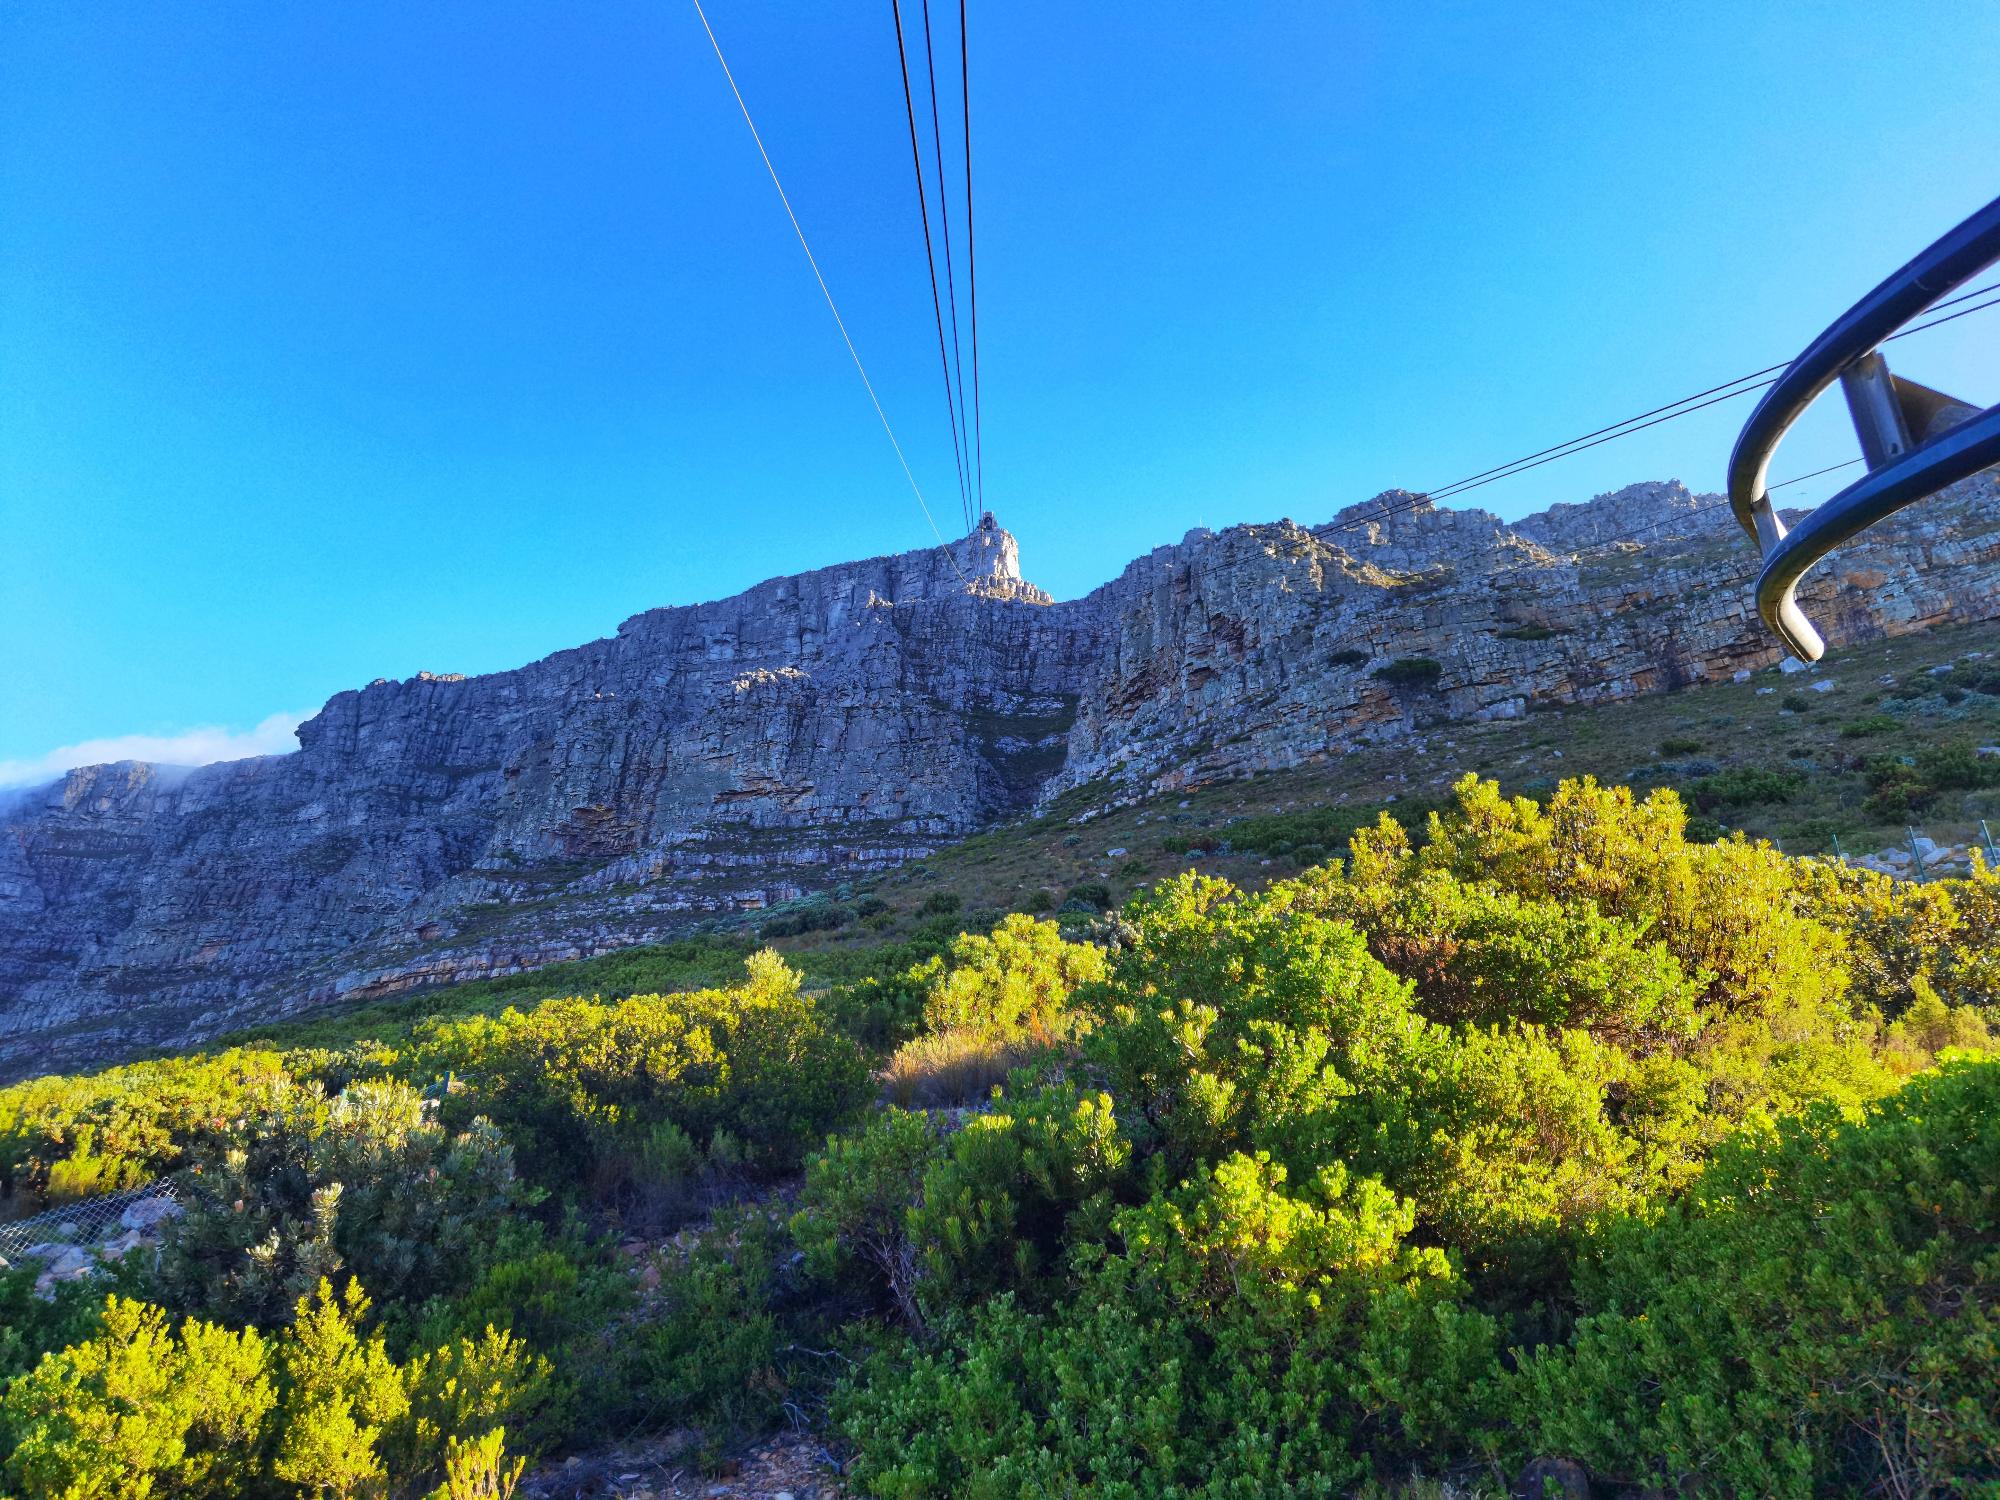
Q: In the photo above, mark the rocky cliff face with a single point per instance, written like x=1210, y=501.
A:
x=726, y=756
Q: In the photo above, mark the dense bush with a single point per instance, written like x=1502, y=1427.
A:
x=142, y=1407
x=656, y=1088
x=1902, y=786
x=366, y=1182
x=1537, y=1129
x=1821, y=1314
x=1090, y=895
x=822, y=918
x=1354, y=1136
x=1745, y=786
x=69, y=1137
x=1013, y=984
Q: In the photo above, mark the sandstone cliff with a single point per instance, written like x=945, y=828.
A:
x=721, y=757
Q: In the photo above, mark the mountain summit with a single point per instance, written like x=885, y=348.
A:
x=714, y=758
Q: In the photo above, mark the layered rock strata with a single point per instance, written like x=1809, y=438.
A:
x=723, y=757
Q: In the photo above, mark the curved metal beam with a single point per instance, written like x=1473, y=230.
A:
x=1950, y=261
x=1945, y=265
x=1951, y=456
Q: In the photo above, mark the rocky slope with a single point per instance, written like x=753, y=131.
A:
x=721, y=757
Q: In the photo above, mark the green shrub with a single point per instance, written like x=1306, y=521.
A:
x=1411, y=672
x=1013, y=984
x=1820, y=1317
x=812, y=919
x=1349, y=657
x=1680, y=744
x=141, y=1408
x=31, y=1325
x=1746, y=786
x=367, y=1181
x=1239, y=1343
x=752, y=1076
x=69, y=1137
x=939, y=904
x=1089, y=896
x=705, y=1353
x=855, y=1206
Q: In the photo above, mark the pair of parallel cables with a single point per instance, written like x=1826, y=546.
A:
x=968, y=447
x=968, y=450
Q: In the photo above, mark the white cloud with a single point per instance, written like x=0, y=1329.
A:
x=191, y=747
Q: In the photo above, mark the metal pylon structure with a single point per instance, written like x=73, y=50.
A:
x=1915, y=440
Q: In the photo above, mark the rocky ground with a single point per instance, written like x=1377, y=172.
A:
x=72, y=1243
x=795, y=1466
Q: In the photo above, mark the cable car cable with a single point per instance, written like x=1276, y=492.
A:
x=840, y=323
x=944, y=218
x=1574, y=443
x=1636, y=424
x=930, y=264
x=973, y=265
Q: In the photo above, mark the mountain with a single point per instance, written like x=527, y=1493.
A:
x=717, y=758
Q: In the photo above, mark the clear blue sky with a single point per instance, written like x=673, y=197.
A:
x=343, y=341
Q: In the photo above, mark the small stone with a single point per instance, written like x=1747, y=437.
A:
x=1792, y=664
x=1114, y=853
x=122, y=1246
x=1824, y=685
x=1765, y=692
x=1741, y=674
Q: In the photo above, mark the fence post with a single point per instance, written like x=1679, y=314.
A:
x=1916, y=854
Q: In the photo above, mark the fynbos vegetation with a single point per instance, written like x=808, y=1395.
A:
x=1526, y=1130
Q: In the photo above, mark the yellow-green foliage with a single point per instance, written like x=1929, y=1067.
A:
x=141, y=1408
x=1357, y=1133
x=751, y=1075
x=1014, y=984
x=1557, y=1134
x=1820, y=1314
x=988, y=1003
x=72, y=1136
x=321, y=1409
x=479, y=1469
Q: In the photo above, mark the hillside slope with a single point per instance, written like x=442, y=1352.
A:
x=721, y=758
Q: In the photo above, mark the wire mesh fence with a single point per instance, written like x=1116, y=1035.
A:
x=87, y=1221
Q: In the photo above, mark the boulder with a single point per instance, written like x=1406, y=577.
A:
x=149, y=1213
